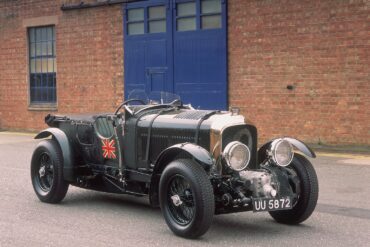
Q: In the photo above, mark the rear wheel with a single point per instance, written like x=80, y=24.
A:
x=186, y=198
x=309, y=192
x=47, y=172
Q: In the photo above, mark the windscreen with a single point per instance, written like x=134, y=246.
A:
x=155, y=97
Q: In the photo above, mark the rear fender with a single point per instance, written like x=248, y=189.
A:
x=201, y=155
x=301, y=146
x=63, y=142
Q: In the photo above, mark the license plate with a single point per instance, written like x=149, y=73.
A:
x=271, y=204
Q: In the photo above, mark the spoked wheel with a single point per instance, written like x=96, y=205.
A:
x=47, y=172
x=180, y=200
x=186, y=198
x=308, y=193
x=45, y=175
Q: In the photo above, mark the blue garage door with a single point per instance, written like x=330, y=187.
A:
x=178, y=46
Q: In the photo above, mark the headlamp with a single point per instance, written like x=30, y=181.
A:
x=237, y=155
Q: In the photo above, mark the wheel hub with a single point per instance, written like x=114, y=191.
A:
x=176, y=200
x=42, y=171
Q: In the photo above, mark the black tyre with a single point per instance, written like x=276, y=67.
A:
x=186, y=198
x=309, y=193
x=47, y=172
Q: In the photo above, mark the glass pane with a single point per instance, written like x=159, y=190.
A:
x=51, y=65
x=44, y=80
x=50, y=48
x=55, y=65
x=32, y=94
x=32, y=35
x=50, y=79
x=37, y=78
x=38, y=49
x=185, y=9
x=157, y=26
x=32, y=49
x=50, y=33
x=135, y=28
x=44, y=35
x=44, y=49
x=136, y=14
x=43, y=96
x=35, y=95
x=32, y=81
x=38, y=66
x=38, y=35
x=54, y=93
x=44, y=65
x=211, y=22
x=211, y=6
x=32, y=66
x=50, y=94
x=157, y=12
x=186, y=24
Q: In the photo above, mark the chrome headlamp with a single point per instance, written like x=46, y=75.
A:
x=237, y=155
x=281, y=152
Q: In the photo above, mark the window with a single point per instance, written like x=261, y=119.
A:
x=140, y=22
x=208, y=17
x=157, y=19
x=211, y=14
x=186, y=16
x=135, y=21
x=42, y=65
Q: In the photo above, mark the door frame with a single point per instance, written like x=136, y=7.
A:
x=170, y=24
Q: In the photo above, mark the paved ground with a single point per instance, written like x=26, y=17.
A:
x=87, y=218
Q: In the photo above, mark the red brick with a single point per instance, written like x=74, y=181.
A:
x=320, y=47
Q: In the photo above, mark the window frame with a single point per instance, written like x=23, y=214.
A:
x=201, y=14
x=198, y=16
x=37, y=104
x=128, y=22
x=177, y=17
x=156, y=19
x=146, y=20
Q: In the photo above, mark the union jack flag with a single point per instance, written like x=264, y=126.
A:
x=109, y=149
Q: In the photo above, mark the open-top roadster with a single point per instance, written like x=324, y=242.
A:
x=191, y=163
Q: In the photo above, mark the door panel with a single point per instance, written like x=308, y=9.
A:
x=148, y=54
x=135, y=67
x=200, y=54
x=156, y=78
x=189, y=58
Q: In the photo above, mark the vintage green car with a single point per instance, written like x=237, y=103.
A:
x=192, y=163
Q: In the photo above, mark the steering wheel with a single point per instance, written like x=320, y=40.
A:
x=124, y=103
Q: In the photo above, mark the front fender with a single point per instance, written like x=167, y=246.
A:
x=201, y=155
x=301, y=146
x=63, y=142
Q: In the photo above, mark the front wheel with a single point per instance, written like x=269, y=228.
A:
x=186, y=198
x=309, y=192
x=47, y=172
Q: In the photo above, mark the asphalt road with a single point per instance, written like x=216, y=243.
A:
x=87, y=218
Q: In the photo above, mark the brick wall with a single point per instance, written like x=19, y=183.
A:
x=321, y=48
x=89, y=50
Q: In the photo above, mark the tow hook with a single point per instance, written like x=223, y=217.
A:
x=244, y=201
